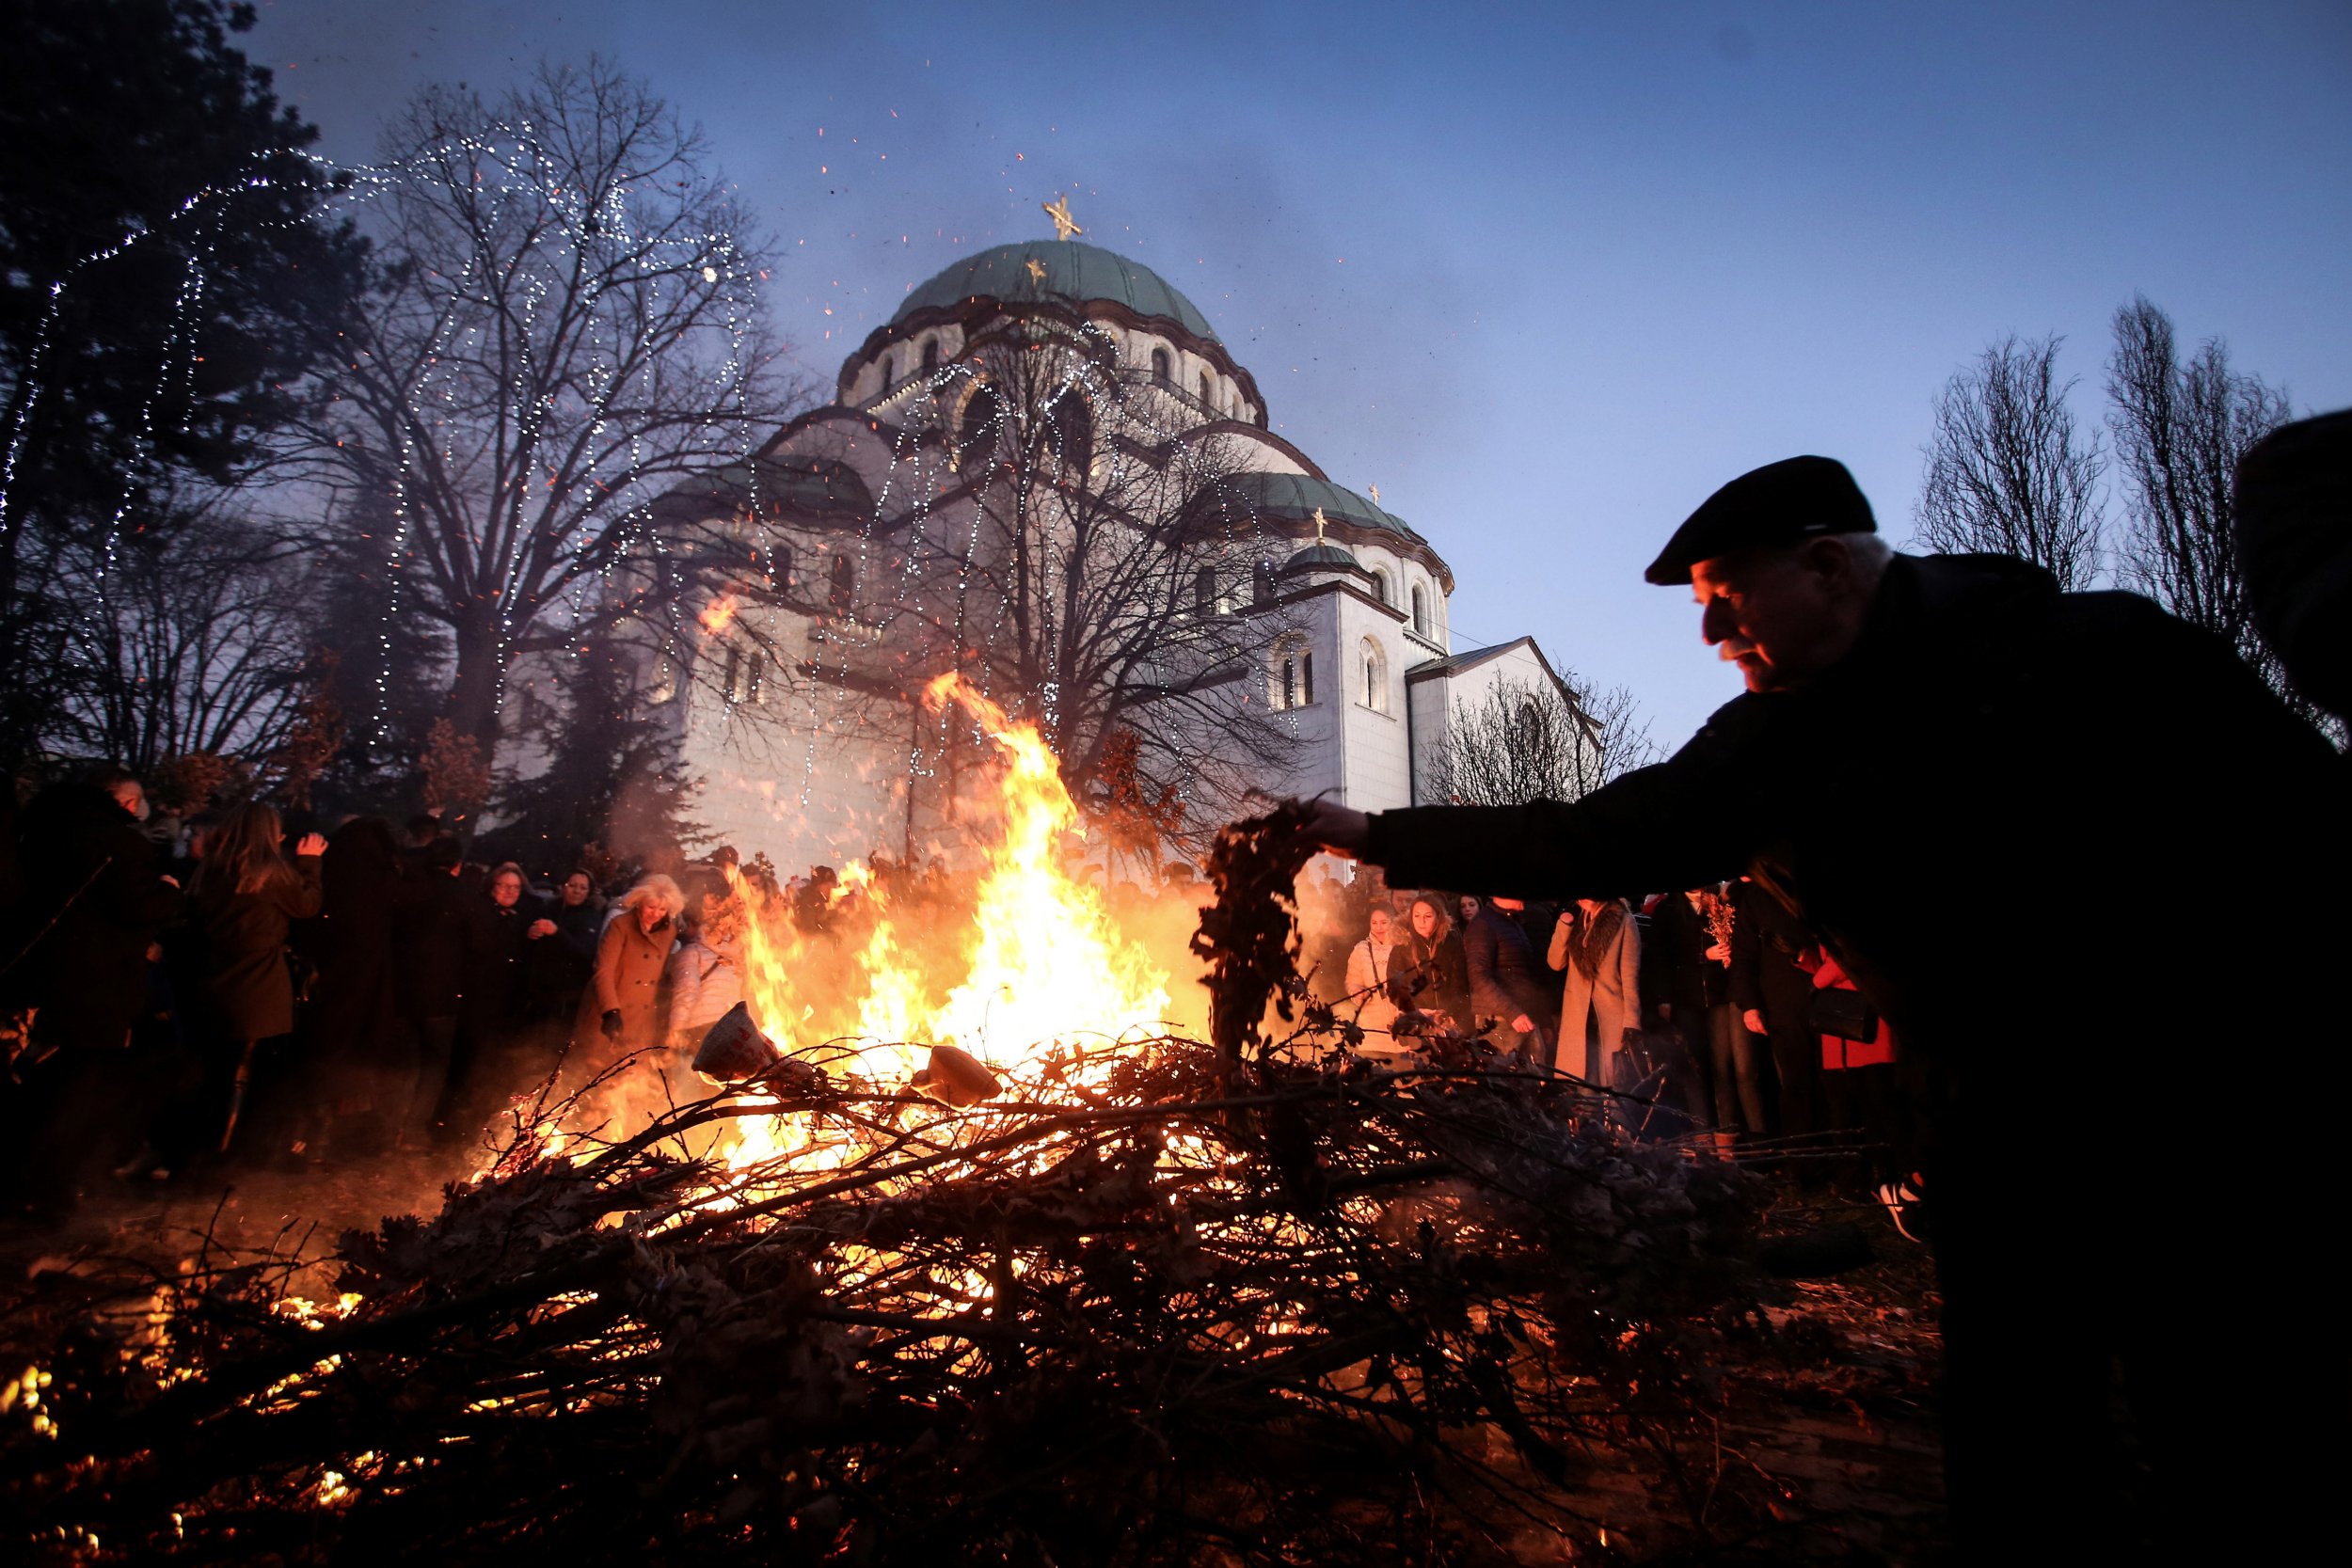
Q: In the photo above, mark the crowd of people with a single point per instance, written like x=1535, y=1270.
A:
x=180, y=995
x=1703, y=1009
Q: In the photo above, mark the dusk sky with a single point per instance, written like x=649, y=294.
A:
x=1546, y=275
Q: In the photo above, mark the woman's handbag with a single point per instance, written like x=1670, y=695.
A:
x=1847, y=1014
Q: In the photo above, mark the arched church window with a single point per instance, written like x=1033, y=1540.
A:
x=1160, y=367
x=1291, y=681
x=975, y=432
x=1204, y=591
x=844, y=591
x=1262, y=583
x=930, y=355
x=887, y=374
x=1375, y=665
x=1421, y=611
x=1208, y=390
x=1381, y=585
x=780, y=566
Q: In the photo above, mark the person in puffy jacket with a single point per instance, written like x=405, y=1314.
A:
x=705, y=980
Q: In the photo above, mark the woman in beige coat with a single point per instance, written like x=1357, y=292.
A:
x=620, y=1011
x=1600, y=948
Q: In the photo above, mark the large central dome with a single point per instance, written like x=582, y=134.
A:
x=1072, y=272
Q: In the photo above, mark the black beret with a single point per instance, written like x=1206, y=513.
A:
x=1776, y=504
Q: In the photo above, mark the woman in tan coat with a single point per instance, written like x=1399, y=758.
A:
x=620, y=1011
x=1600, y=948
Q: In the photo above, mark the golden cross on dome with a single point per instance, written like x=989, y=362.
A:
x=1376, y=493
x=1319, y=525
x=1037, y=270
x=1059, y=210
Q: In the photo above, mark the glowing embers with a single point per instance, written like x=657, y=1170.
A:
x=718, y=614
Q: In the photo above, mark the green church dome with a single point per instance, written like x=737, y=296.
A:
x=1072, y=272
x=1296, y=497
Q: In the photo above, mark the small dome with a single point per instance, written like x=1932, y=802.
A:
x=1321, y=557
x=1072, y=272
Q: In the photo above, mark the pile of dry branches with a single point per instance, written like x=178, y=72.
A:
x=1158, y=1307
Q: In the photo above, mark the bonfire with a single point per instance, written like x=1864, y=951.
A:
x=1010, y=1271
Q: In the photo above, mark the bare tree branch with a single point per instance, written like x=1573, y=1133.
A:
x=570, y=325
x=2007, y=471
x=2180, y=429
x=1533, y=740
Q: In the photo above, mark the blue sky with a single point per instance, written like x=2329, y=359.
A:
x=1546, y=274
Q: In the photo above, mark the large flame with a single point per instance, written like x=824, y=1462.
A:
x=1041, y=965
x=1050, y=966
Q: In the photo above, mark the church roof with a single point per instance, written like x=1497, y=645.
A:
x=1296, y=497
x=1072, y=272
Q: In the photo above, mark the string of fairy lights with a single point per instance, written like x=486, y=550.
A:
x=512, y=167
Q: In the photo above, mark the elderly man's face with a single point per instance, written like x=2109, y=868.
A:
x=131, y=797
x=506, y=891
x=1776, y=613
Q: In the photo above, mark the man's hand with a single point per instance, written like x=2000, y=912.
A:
x=1342, y=829
x=611, y=1023
x=311, y=844
x=540, y=928
x=1754, y=1018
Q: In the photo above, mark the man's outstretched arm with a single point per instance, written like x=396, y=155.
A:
x=1690, y=820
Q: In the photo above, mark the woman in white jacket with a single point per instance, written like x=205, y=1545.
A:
x=1369, y=1002
x=704, y=980
x=1599, y=947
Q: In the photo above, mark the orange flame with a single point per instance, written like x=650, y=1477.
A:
x=718, y=614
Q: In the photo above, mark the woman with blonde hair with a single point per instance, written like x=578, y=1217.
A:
x=247, y=894
x=619, y=1012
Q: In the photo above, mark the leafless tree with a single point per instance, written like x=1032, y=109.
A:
x=1538, y=740
x=1088, y=570
x=568, y=326
x=2179, y=428
x=197, y=642
x=2008, y=472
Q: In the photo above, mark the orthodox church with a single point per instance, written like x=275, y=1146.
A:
x=1264, y=626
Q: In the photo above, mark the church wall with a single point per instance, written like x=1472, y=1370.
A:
x=1375, y=755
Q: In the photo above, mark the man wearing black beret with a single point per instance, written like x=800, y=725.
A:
x=2037, y=827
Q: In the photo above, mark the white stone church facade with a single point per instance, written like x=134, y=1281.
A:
x=776, y=717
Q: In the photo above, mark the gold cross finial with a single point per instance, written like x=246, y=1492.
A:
x=1059, y=210
x=1376, y=494
x=1037, y=270
x=1319, y=525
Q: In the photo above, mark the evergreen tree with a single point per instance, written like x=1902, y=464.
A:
x=612, y=778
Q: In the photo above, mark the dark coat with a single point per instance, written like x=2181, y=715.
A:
x=355, y=1005
x=1765, y=942
x=86, y=864
x=248, y=991
x=1505, y=977
x=430, y=945
x=1436, y=975
x=493, y=1000
x=1990, y=740
x=1690, y=981
x=557, y=967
